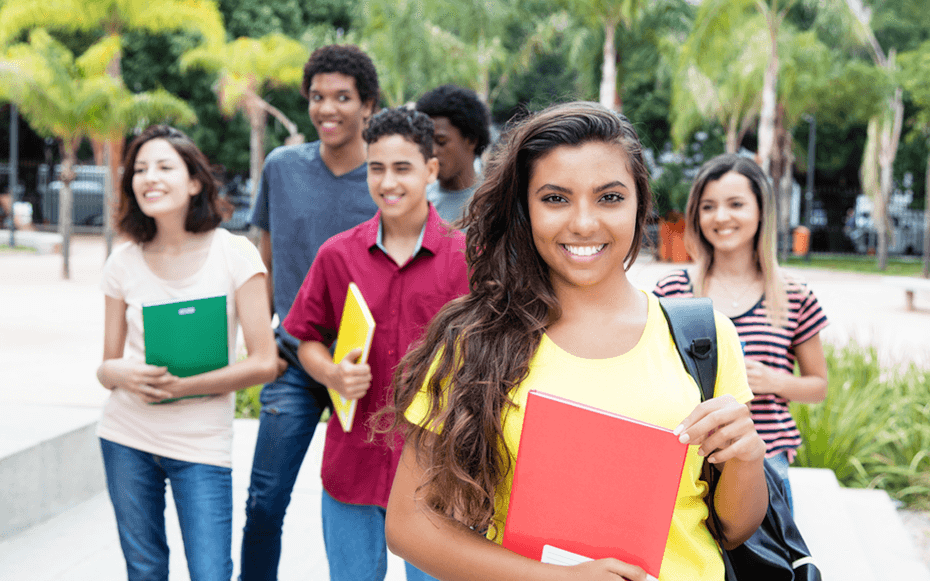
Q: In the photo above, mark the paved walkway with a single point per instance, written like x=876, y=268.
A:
x=51, y=335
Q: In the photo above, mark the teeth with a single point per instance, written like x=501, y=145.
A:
x=329, y=124
x=584, y=250
x=725, y=232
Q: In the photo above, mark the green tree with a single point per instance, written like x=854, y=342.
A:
x=915, y=69
x=70, y=99
x=607, y=16
x=247, y=68
x=112, y=18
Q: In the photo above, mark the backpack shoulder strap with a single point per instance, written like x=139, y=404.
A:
x=691, y=322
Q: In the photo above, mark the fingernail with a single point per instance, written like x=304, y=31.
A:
x=712, y=459
x=678, y=430
x=684, y=438
x=700, y=452
x=651, y=578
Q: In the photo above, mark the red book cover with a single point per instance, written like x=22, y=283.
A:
x=590, y=484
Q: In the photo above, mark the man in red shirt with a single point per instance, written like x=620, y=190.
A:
x=408, y=264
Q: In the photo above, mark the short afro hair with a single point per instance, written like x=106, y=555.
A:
x=464, y=110
x=348, y=60
x=416, y=127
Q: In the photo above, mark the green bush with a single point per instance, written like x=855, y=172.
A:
x=247, y=402
x=873, y=428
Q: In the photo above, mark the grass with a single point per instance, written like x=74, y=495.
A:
x=873, y=428
x=249, y=406
x=858, y=263
x=7, y=249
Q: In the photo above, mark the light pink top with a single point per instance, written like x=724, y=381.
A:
x=193, y=430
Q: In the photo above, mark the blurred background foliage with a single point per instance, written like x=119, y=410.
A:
x=525, y=54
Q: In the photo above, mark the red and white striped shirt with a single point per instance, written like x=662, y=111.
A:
x=772, y=346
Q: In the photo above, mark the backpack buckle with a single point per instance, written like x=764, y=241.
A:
x=701, y=347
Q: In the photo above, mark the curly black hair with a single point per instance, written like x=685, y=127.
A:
x=348, y=60
x=416, y=127
x=464, y=110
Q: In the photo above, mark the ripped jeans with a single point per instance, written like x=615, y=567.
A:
x=291, y=408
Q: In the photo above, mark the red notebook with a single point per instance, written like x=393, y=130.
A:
x=590, y=484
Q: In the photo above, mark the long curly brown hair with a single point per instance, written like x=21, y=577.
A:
x=478, y=347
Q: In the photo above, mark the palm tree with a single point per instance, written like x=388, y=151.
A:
x=66, y=98
x=608, y=15
x=112, y=18
x=247, y=68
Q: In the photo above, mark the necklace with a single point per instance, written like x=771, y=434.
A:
x=736, y=299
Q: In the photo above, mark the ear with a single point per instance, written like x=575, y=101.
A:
x=432, y=165
x=368, y=109
x=473, y=144
x=194, y=187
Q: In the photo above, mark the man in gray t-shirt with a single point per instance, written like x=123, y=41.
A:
x=308, y=193
x=462, y=132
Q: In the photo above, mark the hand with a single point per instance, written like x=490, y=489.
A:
x=723, y=428
x=605, y=570
x=762, y=378
x=351, y=380
x=150, y=382
x=282, y=367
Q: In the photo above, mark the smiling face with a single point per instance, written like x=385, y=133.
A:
x=456, y=154
x=583, y=220
x=397, y=178
x=336, y=110
x=728, y=213
x=161, y=182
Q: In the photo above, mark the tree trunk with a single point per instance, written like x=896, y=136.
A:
x=608, y=92
x=769, y=99
x=927, y=221
x=109, y=192
x=257, y=120
x=889, y=135
x=65, y=202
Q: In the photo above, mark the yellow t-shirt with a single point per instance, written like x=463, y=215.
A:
x=648, y=383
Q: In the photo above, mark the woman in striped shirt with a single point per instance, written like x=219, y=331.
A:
x=731, y=232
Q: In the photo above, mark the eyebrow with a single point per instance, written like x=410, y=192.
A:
x=560, y=189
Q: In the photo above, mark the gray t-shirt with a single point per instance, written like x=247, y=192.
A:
x=450, y=205
x=302, y=204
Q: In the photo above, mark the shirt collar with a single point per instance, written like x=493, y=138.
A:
x=429, y=234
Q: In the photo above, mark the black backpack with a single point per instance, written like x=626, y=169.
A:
x=776, y=551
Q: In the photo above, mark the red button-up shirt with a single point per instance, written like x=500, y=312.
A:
x=403, y=299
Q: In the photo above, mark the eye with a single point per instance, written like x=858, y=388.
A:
x=343, y=98
x=706, y=207
x=553, y=199
x=316, y=98
x=613, y=197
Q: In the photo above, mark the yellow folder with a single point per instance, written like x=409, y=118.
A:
x=355, y=331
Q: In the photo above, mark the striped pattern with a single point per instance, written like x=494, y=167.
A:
x=772, y=346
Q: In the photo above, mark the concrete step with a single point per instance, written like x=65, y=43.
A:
x=853, y=534
x=882, y=535
x=81, y=544
x=49, y=462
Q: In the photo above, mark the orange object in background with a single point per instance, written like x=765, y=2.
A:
x=801, y=241
x=672, y=239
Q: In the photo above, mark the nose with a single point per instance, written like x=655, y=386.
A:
x=584, y=219
x=721, y=213
x=326, y=105
x=389, y=180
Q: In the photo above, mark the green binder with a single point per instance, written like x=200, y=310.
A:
x=187, y=336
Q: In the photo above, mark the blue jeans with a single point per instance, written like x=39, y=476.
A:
x=780, y=463
x=203, y=497
x=355, y=544
x=290, y=414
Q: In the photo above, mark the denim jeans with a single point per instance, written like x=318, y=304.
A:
x=203, y=497
x=355, y=544
x=780, y=463
x=290, y=414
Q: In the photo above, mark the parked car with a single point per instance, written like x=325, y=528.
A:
x=87, y=192
x=907, y=227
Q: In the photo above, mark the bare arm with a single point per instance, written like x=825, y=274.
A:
x=115, y=372
x=259, y=366
x=726, y=434
x=350, y=379
x=451, y=551
x=264, y=250
x=809, y=387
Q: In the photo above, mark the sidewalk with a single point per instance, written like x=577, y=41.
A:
x=51, y=334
